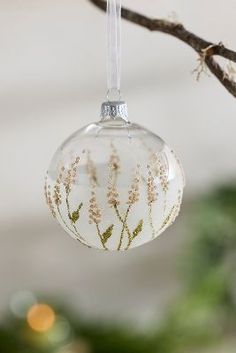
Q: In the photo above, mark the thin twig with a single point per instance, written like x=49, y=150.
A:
x=205, y=49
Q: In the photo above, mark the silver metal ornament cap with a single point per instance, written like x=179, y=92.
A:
x=114, y=110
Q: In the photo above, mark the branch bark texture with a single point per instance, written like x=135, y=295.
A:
x=206, y=50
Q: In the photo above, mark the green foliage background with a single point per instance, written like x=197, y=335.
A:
x=204, y=315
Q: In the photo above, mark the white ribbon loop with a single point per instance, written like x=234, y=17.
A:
x=113, y=47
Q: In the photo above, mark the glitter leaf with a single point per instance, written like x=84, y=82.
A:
x=107, y=234
x=74, y=216
x=138, y=229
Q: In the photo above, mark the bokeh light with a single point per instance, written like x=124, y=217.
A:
x=41, y=317
x=60, y=332
x=79, y=346
x=21, y=302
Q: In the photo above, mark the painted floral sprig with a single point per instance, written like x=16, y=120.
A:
x=66, y=179
x=151, y=197
x=95, y=214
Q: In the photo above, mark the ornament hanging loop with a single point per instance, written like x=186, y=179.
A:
x=114, y=108
x=113, y=49
x=114, y=95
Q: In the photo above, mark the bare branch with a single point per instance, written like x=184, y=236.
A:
x=205, y=49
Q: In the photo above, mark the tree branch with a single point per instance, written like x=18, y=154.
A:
x=205, y=49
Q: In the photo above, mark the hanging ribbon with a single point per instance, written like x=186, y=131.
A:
x=113, y=48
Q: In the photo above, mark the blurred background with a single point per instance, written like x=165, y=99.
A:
x=176, y=294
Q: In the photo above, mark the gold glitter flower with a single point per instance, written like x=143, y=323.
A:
x=114, y=162
x=94, y=211
x=134, y=190
x=48, y=197
x=160, y=169
x=71, y=175
x=114, y=168
x=112, y=196
x=151, y=187
x=57, y=189
x=91, y=169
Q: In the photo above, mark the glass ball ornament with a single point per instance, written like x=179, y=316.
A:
x=114, y=185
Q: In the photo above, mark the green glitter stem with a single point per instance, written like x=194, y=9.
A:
x=122, y=221
x=100, y=236
x=125, y=227
x=80, y=238
x=151, y=221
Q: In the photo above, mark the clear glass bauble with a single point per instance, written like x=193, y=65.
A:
x=114, y=185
